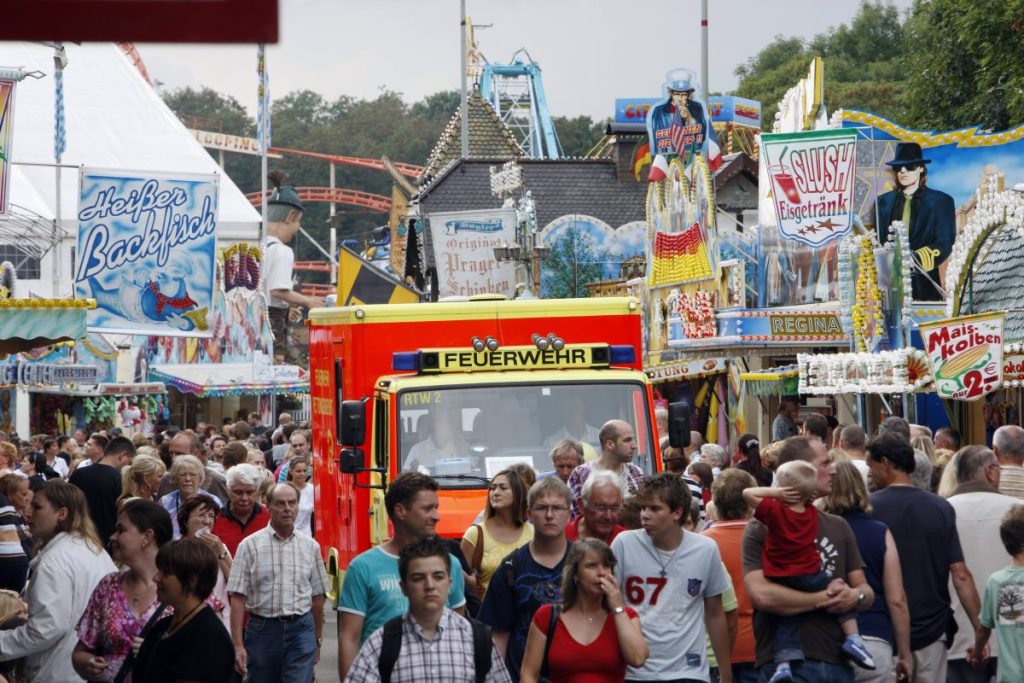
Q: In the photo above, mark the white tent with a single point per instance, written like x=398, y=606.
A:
x=114, y=119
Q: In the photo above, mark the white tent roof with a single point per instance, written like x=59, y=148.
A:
x=114, y=119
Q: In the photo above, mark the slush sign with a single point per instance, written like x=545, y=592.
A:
x=812, y=179
x=633, y=109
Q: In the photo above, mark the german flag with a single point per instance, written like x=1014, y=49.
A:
x=641, y=158
x=362, y=283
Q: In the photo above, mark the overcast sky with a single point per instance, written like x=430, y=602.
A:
x=591, y=51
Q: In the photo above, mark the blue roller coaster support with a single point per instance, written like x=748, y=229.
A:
x=517, y=86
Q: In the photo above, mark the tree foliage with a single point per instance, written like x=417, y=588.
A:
x=967, y=63
x=865, y=65
x=578, y=134
x=948, y=64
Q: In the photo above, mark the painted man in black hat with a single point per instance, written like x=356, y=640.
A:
x=284, y=216
x=930, y=217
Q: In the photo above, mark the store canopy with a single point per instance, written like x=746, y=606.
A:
x=30, y=323
x=780, y=381
x=114, y=119
x=208, y=380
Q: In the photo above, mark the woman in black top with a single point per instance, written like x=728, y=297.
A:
x=750, y=449
x=192, y=645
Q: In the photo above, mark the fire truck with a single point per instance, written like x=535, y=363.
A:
x=460, y=391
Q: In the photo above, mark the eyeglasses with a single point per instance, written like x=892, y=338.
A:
x=907, y=167
x=603, y=509
x=550, y=509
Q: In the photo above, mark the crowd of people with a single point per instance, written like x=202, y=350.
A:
x=822, y=556
x=187, y=556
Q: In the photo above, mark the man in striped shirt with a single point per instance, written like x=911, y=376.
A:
x=435, y=644
x=13, y=561
x=279, y=578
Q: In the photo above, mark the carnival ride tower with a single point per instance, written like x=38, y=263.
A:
x=516, y=91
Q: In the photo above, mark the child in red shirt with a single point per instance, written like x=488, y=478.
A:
x=791, y=558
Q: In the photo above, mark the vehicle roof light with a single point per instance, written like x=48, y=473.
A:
x=622, y=353
x=409, y=360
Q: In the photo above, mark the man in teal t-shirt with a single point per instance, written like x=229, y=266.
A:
x=371, y=593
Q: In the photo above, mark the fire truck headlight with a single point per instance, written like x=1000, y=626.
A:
x=539, y=341
x=557, y=343
x=491, y=343
x=478, y=344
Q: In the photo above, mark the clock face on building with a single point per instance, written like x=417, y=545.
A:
x=156, y=21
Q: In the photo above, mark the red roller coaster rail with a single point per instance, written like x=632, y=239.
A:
x=376, y=203
x=405, y=169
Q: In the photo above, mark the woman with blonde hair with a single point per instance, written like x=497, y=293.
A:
x=70, y=563
x=503, y=529
x=141, y=479
x=8, y=457
x=592, y=612
x=924, y=444
x=886, y=623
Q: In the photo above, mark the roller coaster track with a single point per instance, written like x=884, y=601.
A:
x=376, y=203
x=410, y=170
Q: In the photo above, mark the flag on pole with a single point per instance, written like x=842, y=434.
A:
x=714, y=151
x=263, y=107
x=360, y=282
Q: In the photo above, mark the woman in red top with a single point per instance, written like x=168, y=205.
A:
x=595, y=636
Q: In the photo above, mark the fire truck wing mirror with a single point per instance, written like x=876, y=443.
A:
x=350, y=461
x=679, y=424
x=352, y=429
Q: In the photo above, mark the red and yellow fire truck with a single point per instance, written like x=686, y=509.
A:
x=460, y=391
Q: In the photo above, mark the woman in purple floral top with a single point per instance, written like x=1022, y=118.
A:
x=122, y=602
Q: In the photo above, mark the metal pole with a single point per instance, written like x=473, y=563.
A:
x=333, y=205
x=464, y=106
x=704, y=48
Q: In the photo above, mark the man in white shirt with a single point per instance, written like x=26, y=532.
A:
x=979, y=511
x=284, y=218
x=674, y=579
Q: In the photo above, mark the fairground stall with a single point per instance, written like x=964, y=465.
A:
x=931, y=284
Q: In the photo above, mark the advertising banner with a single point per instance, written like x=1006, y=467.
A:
x=464, y=244
x=6, y=121
x=812, y=179
x=633, y=109
x=146, y=251
x=738, y=110
x=966, y=355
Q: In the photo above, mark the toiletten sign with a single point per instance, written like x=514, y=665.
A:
x=966, y=355
x=812, y=179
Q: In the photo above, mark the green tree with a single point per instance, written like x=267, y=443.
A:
x=967, y=64
x=207, y=109
x=865, y=65
x=578, y=134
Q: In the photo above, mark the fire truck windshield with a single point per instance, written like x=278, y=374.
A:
x=477, y=431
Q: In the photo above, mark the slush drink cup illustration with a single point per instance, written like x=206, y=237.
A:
x=784, y=183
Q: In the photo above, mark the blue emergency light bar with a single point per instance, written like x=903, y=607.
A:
x=409, y=360
x=621, y=353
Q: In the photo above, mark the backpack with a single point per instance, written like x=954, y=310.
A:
x=508, y=567
x=391, y=645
